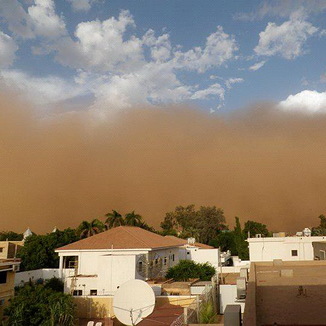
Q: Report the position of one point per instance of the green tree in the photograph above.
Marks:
(240, 242)
(226, 241)
(87, 229)
(203, 224)
(209, 223)
(40, 306)
(38, 250)
(10, 236)
(253, 228)
(133, 219)
(114, 219)
(187, 269)
(321, 229)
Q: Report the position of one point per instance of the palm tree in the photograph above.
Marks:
(114, 219)
(133, 219)
(87, 229)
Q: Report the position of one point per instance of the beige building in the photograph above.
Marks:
(9, 249)
(286, 293)
(9, 265)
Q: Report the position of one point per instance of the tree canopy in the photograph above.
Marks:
(87, 229)
(321, 228)
(253, 228)
(202, 224)
(187, 269)
(38, 250)
(114, 219)
(10, 236)
(40, 305)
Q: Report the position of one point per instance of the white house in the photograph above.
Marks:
(292, 248)
(196, 251)
(98, 265)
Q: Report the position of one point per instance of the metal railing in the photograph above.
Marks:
(191, 313)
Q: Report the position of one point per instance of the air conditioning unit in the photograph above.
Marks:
(16, 268)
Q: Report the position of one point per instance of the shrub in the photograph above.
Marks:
(187, 269)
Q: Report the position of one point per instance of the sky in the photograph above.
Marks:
(219, 56)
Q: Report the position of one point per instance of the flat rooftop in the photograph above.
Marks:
(287, 293)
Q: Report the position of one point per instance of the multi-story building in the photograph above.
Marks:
(9, 265)
(98, 265)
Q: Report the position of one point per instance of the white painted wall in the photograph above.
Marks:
(228, 295)
(203, 255)
(34, 275)
(106, 270)
(268, 249)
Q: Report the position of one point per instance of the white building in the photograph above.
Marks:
(293, 248)
(98, 265)
(196, 251)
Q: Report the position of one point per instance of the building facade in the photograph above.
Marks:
(100, 264)
(296, 248)
(9, 265)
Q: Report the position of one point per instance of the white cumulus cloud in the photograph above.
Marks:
(229, 82)
(305, 101)
(213, 90)
(287, 39)
(41, 90)
(219, 48)
(8, 49)
(257, 65)
(44, 19)
(81, 5)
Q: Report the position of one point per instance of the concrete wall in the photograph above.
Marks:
(228, 295)
(34, 275)
(268, 249)
(203, 255)
(101, 307)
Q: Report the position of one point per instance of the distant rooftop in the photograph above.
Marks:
(123, 237)
(185, 242)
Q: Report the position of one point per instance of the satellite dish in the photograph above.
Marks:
(133, 301)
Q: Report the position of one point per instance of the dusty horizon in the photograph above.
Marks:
(260, 164)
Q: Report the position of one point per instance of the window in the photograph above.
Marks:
(140, 266)
(165, 260)
(1, 249)
(93, 292)
(188, 252)
(3, 277)
(294, 253)
(77, 293)
(173, 257)
(70, 262)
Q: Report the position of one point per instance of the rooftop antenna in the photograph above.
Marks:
(133, 301)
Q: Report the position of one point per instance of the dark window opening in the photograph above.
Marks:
(70, 262)
(294, 253)
(77, 293)
(93, 292)
(140, 266)
(3, 277)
